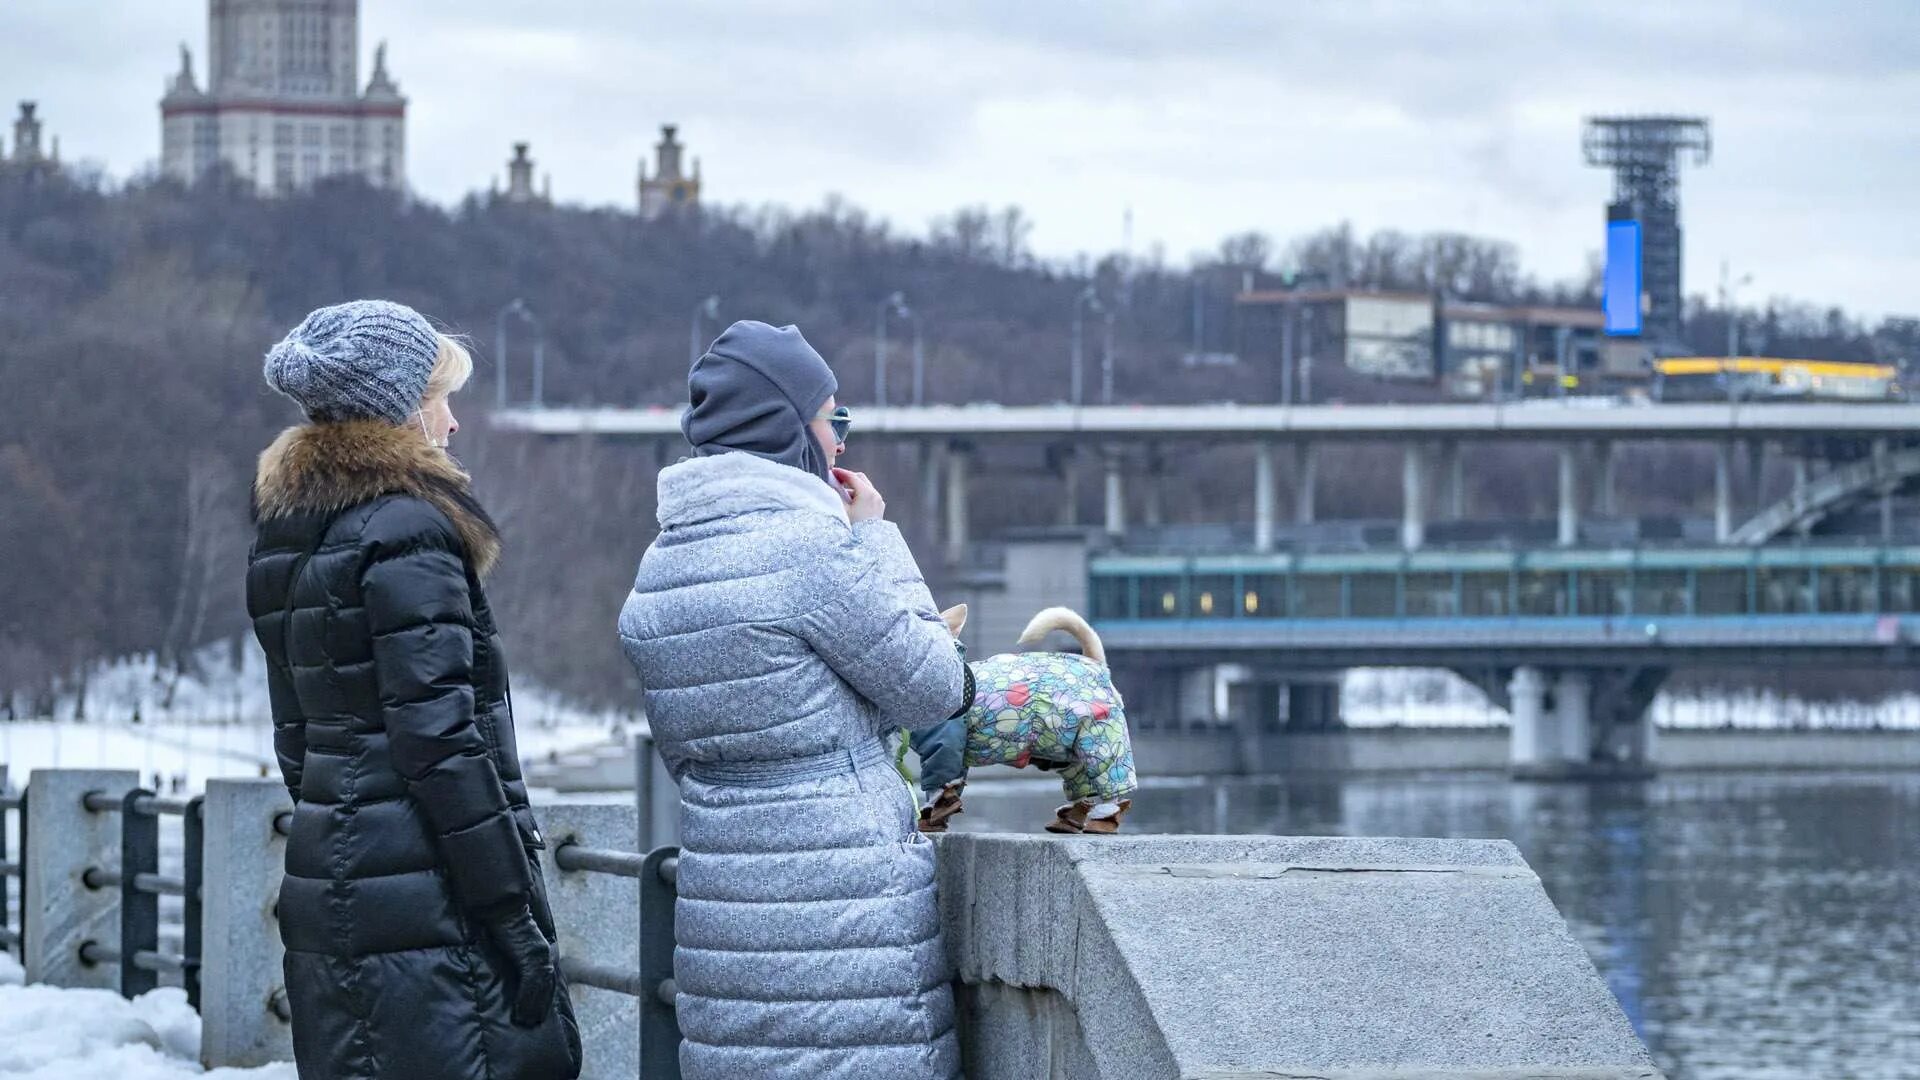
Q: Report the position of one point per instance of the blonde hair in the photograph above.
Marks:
(452, 367)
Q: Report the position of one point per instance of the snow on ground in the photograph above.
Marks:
(1429, 697)
(48, 1033)
(227, 682)
(138, 714)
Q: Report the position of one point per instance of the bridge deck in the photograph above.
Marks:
(1589, 419)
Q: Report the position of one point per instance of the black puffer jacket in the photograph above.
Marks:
(394, 734)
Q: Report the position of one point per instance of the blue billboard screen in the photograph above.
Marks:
(1621, 300)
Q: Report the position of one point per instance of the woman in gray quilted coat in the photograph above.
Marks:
(780, 629)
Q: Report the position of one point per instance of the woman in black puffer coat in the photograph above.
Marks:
(419, 941)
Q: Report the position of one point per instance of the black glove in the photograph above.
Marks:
(530, 959)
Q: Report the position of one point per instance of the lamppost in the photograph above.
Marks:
(1106, 362)
(539, 355)
(1726, 305)
(1087, 300)
(895, 302)
(1729, 375)
(500, 350)
(708, 308)
(919, 361)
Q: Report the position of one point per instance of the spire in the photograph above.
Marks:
(382, 84)
(183, 84)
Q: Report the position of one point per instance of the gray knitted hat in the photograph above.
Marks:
(361, 360)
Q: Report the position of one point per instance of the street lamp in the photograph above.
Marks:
(919, 362)
(500, 350)
(1106, 363)
(1729, 375)
(708, 308)
(895, 302)
(1088, 300)
(1726, 305)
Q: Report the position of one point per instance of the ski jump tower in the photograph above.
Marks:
(1643, 261)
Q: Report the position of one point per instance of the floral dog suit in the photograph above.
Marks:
(1052, 710)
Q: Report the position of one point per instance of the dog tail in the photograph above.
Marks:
(1059, 618)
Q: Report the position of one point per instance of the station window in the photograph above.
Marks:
(1783, 590)
(1602, 592)
(1720, 592)
(1846, 590)
(1484, 594)
(1430, 596)
(1263, 596)
(1372, 596)
(1162, 597)
(1660, 592)
(1110, 597)
(1316, 596)
(1900, 589)
(1542, 592)
(1211, 596)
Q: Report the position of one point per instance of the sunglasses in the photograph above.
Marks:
(841, 420)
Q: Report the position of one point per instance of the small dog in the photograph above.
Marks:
(1050, 710)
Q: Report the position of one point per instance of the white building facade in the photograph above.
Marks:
(283, 105)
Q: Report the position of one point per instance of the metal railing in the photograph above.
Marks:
(141, 885)
(658, 875)
(12, 936)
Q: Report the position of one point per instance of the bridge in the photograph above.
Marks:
(1842, 454)
(1572, 635)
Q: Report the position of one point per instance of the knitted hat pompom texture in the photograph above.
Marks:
(361, 360)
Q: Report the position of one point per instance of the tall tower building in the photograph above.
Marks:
(28, 153)
(283, 105)
(520, 187)
(669, 188)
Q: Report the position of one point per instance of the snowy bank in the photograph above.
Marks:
(47, 1033)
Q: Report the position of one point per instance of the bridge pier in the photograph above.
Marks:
(1115, 495)
(1413, 497)
(1722, 492)
(1306, 469)
(1581, 723)
(1605, 462)
(957, 462)
(1263, 497)
(1569, 529)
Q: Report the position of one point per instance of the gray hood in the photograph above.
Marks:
(755, 390)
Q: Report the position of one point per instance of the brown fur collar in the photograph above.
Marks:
(326, 468)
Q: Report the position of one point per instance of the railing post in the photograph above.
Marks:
(139, 909)
(659, 1022)
(65, 913)
(193, 834)
(6, 887)
(241, 971)
(598, 918)
(655, 795)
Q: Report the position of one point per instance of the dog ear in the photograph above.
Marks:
(955, 617)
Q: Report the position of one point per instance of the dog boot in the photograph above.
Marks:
(934, 815)
(1071, 818)
(1104, 819)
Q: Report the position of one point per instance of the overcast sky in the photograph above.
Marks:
(1206, 118)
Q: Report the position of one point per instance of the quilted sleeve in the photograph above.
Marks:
(419, 611)
(878, 630)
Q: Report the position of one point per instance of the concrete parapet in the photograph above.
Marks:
(598, 918)
(242, 977)
(1197, 956)
(62, 911)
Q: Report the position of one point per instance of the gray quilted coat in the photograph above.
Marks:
(776, 645)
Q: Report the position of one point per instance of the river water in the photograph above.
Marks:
(1752, 926)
